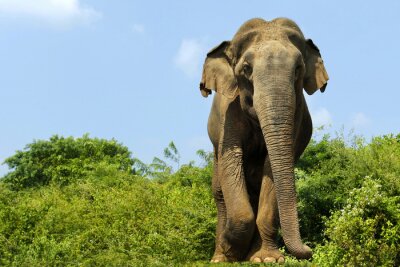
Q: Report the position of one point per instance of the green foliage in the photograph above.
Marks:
(97, 206)
(159, 169)
(322, 183)
(326, 187)
(316, 154)
(366, 232)
(351, 199)
(112, 218)
(62, 160)
(171, 152)
(207, 157)
(190, 176)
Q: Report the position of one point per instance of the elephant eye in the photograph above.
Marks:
(247, 70)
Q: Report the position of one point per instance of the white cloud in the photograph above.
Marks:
(189, 56)
(360, 120)
(321, 117)
(138, 28)
(59, 12)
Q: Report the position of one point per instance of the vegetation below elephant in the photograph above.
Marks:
(86, 202)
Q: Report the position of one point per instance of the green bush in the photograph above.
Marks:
(322, 184)
(100, 207)
(325, 187)
(366, 232)
(62, 160)
(109, 220)
(318, 153)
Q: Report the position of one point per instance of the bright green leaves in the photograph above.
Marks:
(365, 232)
(100, 207)
(63, 160)
(349, 202)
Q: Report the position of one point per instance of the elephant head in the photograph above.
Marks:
(267, 64)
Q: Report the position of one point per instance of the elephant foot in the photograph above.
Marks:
(266, 255)
(219, 255)
(219, 258)
(229, 254)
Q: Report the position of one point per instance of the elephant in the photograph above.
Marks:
(259, 125)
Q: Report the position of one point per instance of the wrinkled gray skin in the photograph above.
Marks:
(259, 125)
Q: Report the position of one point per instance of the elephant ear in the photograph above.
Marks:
(218, 73)
(316, 76)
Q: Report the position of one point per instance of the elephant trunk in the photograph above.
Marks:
(275, 104)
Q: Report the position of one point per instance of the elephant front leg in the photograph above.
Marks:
(238, 230)
(221, 215)
(264, 248)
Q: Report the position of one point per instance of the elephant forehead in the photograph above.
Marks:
(259, 40)
(260, 34)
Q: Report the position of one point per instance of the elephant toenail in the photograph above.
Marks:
(269, 259)
(257, 259)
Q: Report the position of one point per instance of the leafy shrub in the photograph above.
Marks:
(366, 232)
(317, 153)
(109, 220)
(62, 160)
(158, 169)
(322, 183)
(325, 187)
(380, 159)
(100, 209)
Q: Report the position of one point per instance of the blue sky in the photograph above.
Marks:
(130, 70)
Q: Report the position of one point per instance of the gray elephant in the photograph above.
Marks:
(259, 126)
